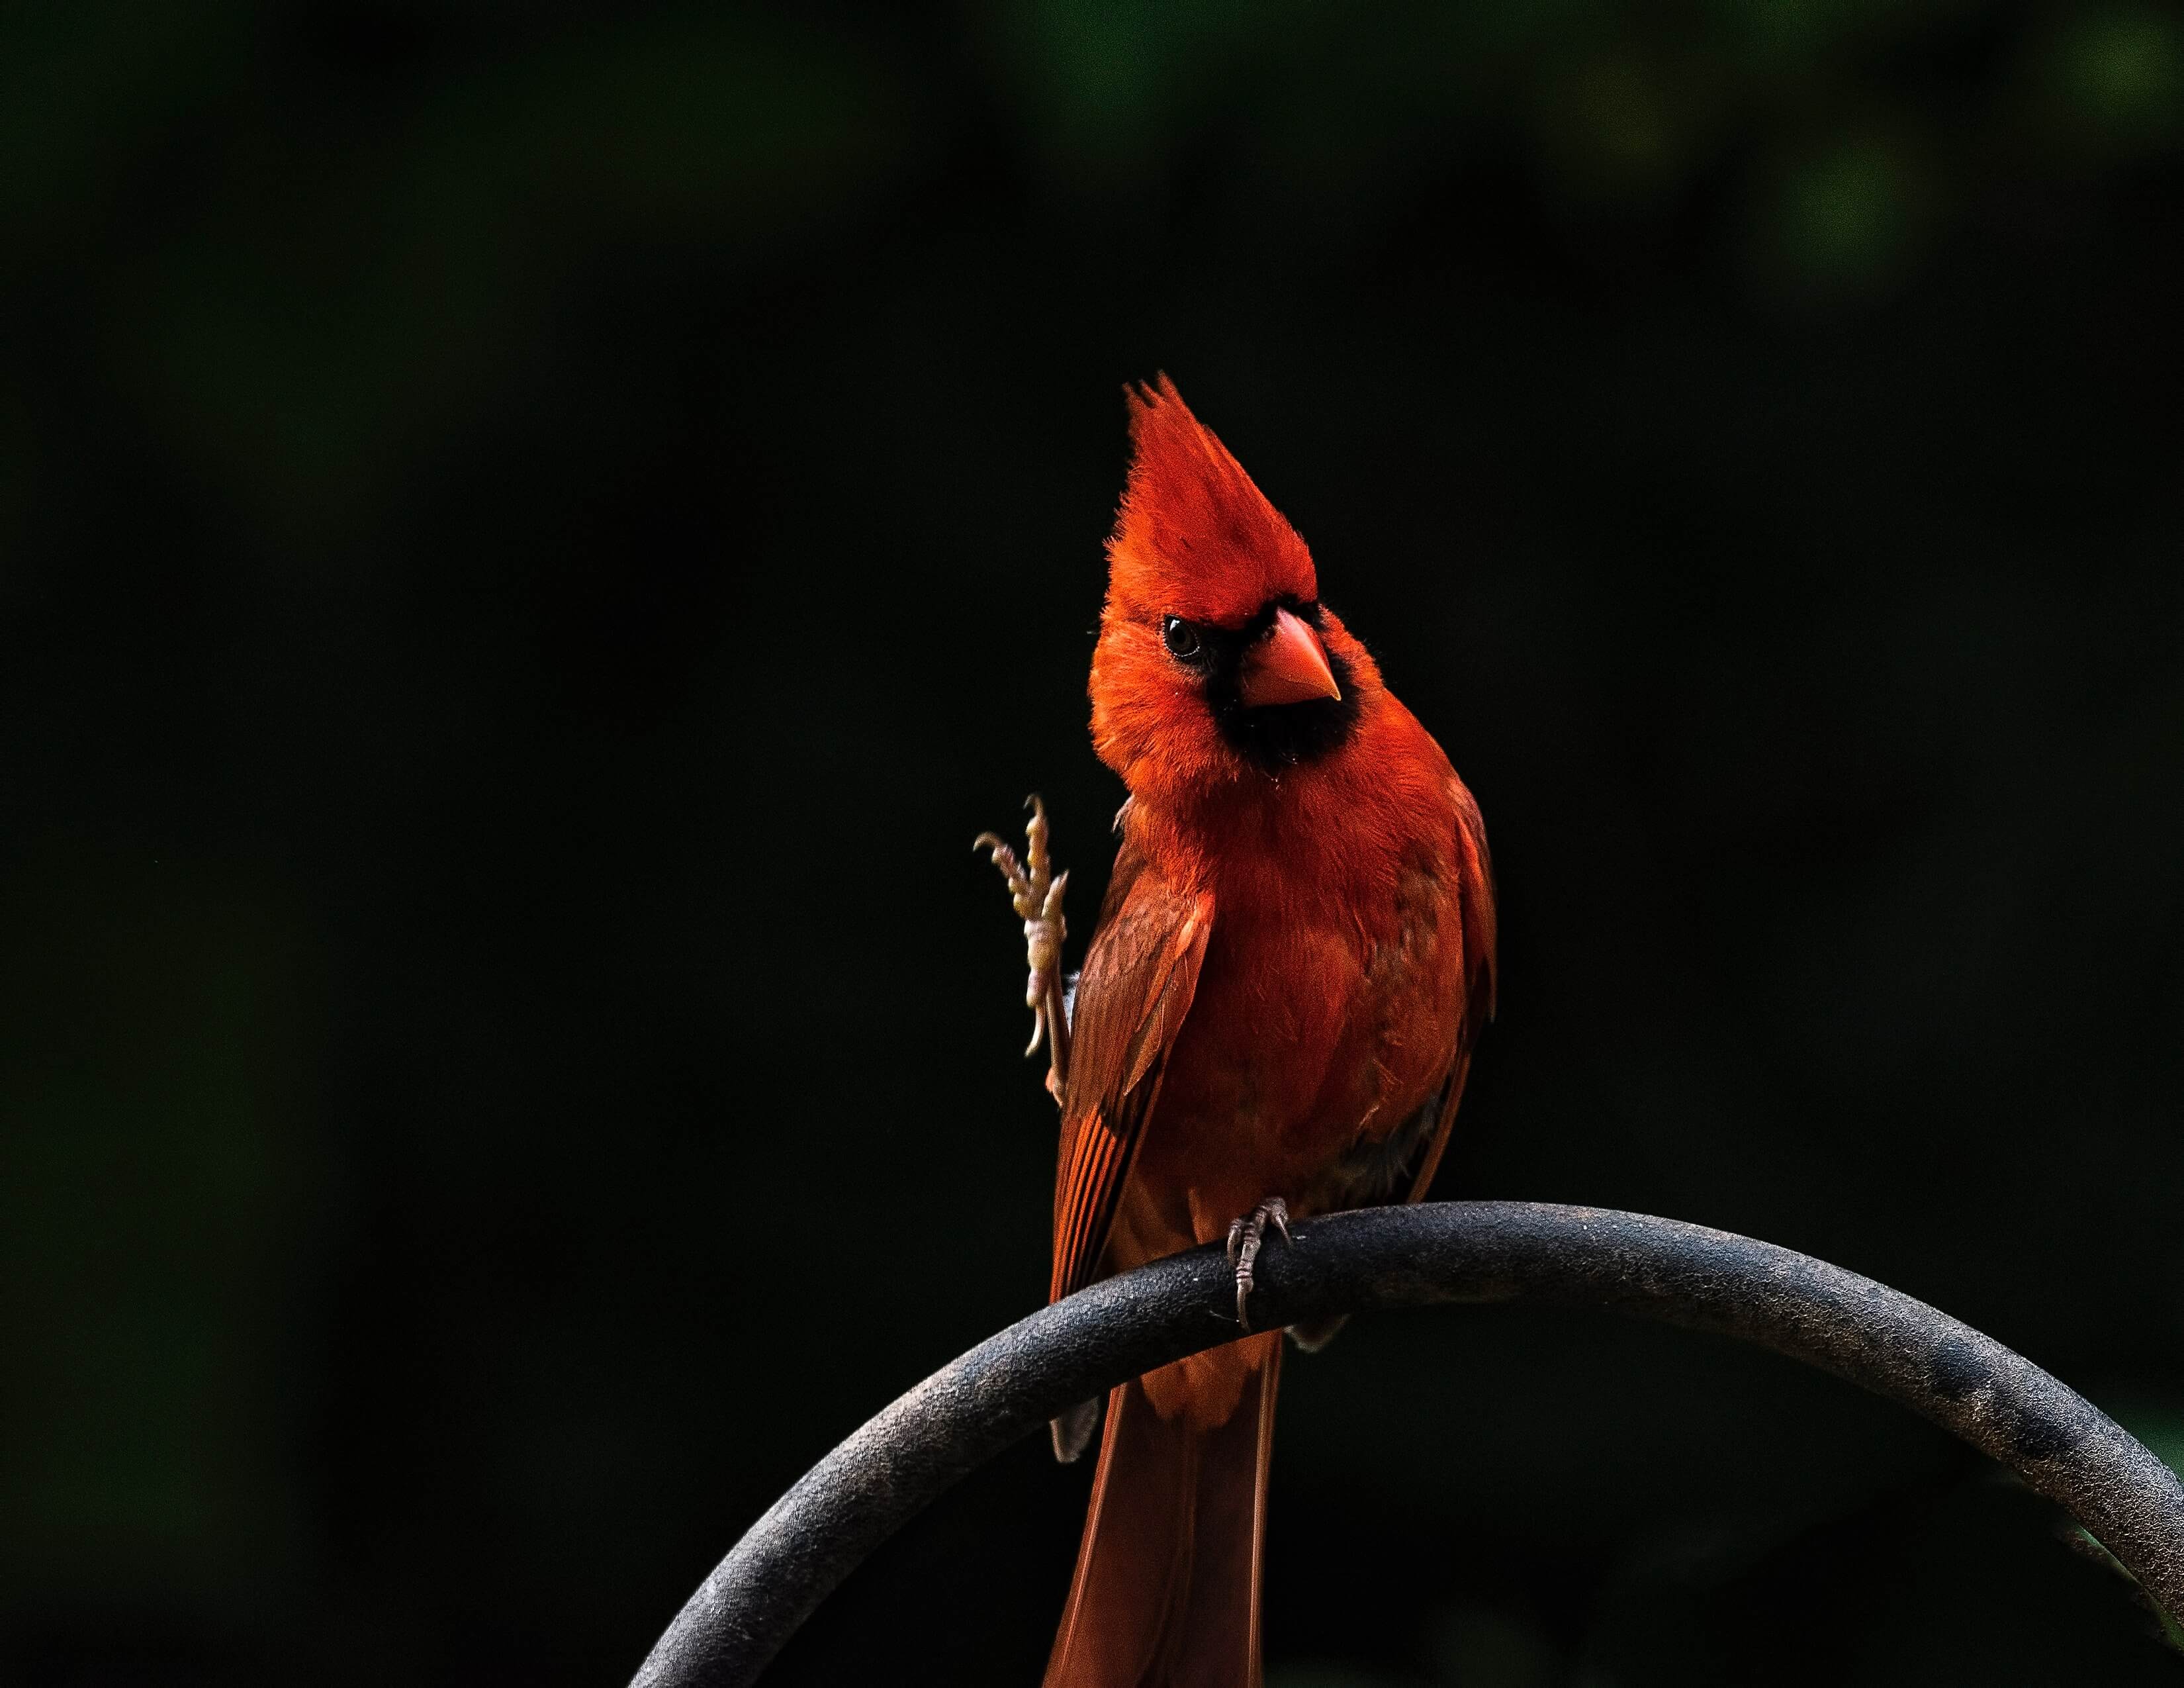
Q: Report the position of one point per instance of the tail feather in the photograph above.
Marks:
(1073, 1431)
(1166, 1589)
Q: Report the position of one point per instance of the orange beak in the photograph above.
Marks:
(1287, 666)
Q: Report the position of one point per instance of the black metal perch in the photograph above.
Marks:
(2058, 1442)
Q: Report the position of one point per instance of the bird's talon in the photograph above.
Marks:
(1247, 1237)
(1035, 892)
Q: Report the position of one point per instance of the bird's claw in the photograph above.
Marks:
(1035, 890)
(1245, 1237)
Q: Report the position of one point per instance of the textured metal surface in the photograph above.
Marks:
(1010, 1385)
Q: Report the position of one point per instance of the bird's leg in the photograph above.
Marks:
(1244, 1238)
(1036, 891)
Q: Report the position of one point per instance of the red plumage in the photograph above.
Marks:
(1293, 959)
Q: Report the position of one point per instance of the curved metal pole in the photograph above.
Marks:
(1011, 1385)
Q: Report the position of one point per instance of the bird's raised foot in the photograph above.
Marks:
(1035, 890)
(1245, 1237)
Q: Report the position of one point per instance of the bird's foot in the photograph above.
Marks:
(1035, 889)
(1245, 1237)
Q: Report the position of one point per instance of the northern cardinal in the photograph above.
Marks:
(1274, 1019)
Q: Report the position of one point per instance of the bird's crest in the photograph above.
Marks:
(1195, 537)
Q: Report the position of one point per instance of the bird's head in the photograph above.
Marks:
(1217, 661)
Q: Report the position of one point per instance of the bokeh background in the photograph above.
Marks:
(531, 537)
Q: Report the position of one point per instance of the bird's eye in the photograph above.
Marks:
(1180, 638)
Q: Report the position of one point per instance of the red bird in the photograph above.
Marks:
(1274, 1019)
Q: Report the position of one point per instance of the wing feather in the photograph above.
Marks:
(1136, 987)
(1477, 923)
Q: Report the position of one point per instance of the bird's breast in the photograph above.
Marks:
(1325, 1014)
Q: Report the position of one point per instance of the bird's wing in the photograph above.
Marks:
(1137, 984)
(1475, 890)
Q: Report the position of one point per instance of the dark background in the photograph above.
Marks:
(531, 537)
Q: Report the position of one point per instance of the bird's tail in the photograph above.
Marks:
(1166, 1590)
